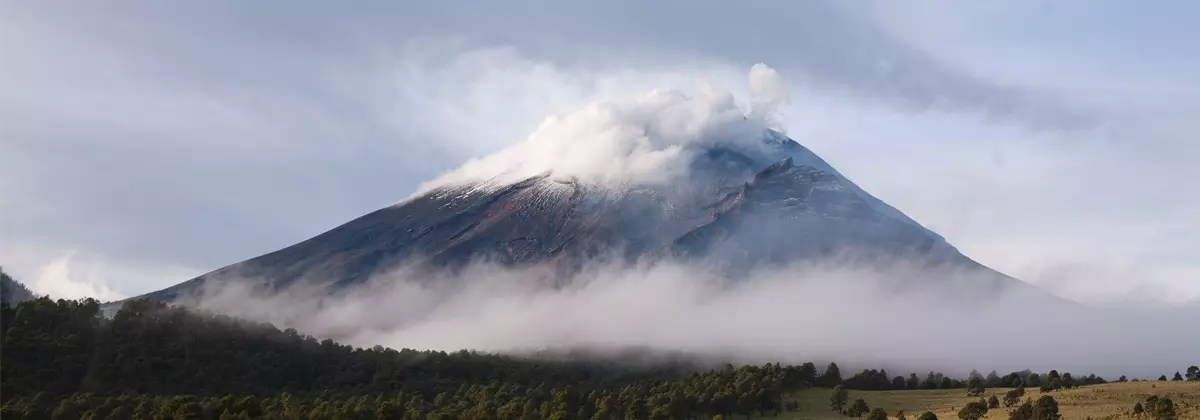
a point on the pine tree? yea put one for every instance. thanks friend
(831, 377)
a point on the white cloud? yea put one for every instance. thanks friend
(769, 93)
(858, 316)
(57, 280)
(647, 139)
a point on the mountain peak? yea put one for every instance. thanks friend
(738, 207)
(665, 175)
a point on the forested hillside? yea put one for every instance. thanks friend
(61, 359)
(11, 290)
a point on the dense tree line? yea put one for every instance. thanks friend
(12, 291)
(746, 391)
(63, 347)
(151, 358)
(62, 359)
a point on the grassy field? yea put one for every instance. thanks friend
(1108, 401)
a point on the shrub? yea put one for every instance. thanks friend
(1046, 408)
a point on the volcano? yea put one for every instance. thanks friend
(740, 205)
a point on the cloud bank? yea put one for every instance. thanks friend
(895, 316)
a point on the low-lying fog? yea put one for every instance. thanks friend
(896, 317)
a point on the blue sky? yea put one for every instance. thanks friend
(143, 143)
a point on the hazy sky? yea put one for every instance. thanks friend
(143, 143)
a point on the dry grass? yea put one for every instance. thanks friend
(1108, 401)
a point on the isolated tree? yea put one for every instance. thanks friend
(975, 385)
(1193, 373)
(831, 377)
(1137, 409)
(1046, 408)
(1164, 409)
(973, 411)
(928, 415)
(993, 402)
(877, 414)
(1162, 378)
(838, 400)
(858, 408)
(1122, 379)
(1177, 377)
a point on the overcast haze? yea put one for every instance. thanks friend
(143, 144)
